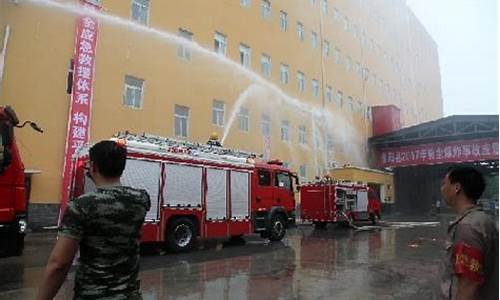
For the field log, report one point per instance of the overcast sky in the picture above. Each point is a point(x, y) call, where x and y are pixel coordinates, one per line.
point(466, 32)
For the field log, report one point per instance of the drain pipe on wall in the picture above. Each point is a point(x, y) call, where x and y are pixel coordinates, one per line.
point(4, 52)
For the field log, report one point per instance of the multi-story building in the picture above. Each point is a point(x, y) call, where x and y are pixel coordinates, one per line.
point(295, 79)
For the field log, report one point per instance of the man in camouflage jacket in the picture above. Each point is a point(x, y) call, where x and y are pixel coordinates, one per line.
point(105, 225)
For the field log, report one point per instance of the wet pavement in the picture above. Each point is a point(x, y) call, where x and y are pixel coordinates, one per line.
point(396, 260)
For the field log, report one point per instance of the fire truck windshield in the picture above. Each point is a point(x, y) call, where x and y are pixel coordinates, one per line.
point(283, 180)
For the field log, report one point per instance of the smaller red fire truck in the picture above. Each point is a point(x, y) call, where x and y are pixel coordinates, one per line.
point(329, 201)
point(13, 196)
point(199, 190)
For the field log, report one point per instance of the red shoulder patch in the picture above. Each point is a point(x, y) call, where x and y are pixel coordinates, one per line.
point(468, 262)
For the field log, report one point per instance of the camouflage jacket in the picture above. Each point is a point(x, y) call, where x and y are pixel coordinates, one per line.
point(471, 252)
point(107, 223)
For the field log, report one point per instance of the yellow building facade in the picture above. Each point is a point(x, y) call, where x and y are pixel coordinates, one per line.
point(293, 78)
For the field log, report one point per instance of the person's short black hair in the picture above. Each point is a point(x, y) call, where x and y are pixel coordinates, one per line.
point(471, 180)
point(109, 157)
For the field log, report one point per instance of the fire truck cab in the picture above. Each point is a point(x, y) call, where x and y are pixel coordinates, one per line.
point(13, 195)
point(329, 201)
point(203, 191)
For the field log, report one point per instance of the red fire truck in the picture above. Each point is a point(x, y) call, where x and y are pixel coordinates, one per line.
point(13, 195)
point(330, 201)
point(200, 190)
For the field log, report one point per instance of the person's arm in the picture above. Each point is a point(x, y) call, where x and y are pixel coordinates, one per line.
point(468, 262)
point(57, 267)
point(467, 289)
point(69, 237)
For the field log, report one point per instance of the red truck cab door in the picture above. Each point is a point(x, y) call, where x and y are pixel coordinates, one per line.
point(283, 190)
point(264, 190)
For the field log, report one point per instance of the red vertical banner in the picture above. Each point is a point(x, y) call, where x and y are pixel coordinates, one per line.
point(81, 96)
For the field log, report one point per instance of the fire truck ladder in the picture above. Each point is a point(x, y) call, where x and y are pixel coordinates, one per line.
point(169, 146)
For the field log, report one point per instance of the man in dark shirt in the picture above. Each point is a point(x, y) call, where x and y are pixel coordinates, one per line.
point(105, 225)
point(471, 264)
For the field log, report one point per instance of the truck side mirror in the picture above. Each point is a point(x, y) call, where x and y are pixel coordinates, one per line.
point(297, 183)
point(6, 134)
point(5, 158)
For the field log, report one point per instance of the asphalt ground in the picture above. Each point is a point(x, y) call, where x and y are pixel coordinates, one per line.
point(397, 259)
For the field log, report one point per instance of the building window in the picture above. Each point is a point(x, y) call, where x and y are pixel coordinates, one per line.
point(265, 125)
point(285, 131)
point(338, 56)
point(183, 51)
point(326, 47)
point(244, 119)
point(245, 55)
point(302, 135)
point(284, 73)
point(220, 43)
point(181, 121)
point(346, 23)
point(357, 68)
point(329, 143)
point(350, 104)
point(302, 173)
point(300, 31)
point(245, 3)
point(314, 40)
point(218, 113)
point(140, 11)
point(301, 81)
point(324, 6)
point(336, 14)
point(315, 88)
point(265, 9)
point(265, 63)
point(133, 92)
point(339, 98)
point(283, 21)
point(359, 106)
point(355, 31)
point(328, 94)
point(366, 74)
point(348, 63)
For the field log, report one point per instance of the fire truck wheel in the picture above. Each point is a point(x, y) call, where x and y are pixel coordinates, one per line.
point(277, 230)
point(181, 235)
point(15, 241)
point(319, 225)
point(236, 240)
